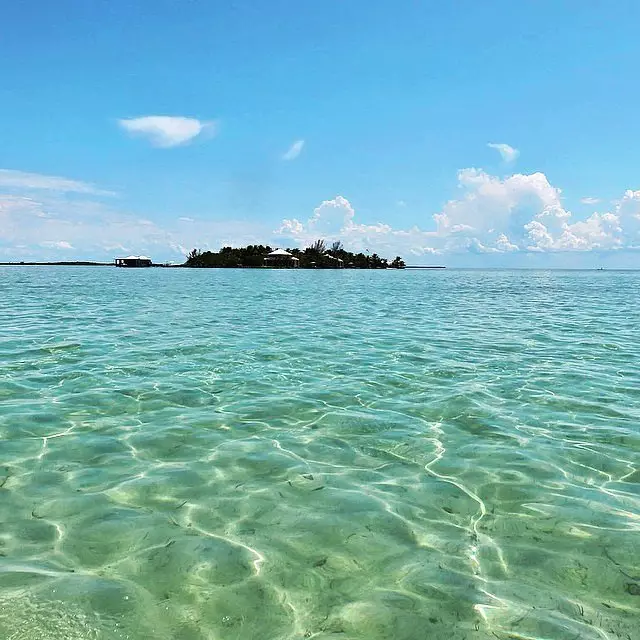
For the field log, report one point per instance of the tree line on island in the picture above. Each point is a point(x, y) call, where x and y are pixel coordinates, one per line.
point(316, 256)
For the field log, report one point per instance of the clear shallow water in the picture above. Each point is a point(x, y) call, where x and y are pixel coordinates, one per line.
point(336, 455)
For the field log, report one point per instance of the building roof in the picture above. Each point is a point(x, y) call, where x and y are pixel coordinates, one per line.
point(280, 252)
point(135, 258)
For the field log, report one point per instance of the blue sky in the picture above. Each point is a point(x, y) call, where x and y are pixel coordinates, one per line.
point(151, 128)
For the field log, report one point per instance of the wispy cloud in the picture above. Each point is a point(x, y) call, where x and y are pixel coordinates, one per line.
point(24, 180)
point(168, 131)
point(60, 244)
point(590, 200)
point(55, 227)
point(294, 150)
point(508, 153)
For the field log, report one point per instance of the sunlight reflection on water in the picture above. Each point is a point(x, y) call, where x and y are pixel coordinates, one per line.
point(270, 454)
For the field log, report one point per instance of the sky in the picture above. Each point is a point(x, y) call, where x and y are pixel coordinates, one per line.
point(455, 133)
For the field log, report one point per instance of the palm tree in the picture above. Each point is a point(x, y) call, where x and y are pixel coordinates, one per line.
point(318, 246)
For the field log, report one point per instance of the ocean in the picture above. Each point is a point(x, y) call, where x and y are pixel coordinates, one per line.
point(337, 455)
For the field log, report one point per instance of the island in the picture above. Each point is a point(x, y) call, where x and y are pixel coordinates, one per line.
point(316, 256)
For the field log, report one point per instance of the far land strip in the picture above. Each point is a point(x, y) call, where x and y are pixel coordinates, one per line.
point(316, 256)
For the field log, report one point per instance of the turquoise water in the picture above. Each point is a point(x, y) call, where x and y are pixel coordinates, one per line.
point(256, 454)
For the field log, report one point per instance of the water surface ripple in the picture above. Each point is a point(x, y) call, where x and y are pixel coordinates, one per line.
point(255, 454)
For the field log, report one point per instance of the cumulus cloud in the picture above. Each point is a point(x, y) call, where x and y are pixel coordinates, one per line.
point(519, 213)
point(508, 153)
point(167, 131)
point(336, 220)
point(294, 150)
point(503, 244)
point(24, 180)
point(526, 212)
point(491, 207)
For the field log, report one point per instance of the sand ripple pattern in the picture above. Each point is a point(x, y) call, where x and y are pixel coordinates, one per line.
point(200, 455)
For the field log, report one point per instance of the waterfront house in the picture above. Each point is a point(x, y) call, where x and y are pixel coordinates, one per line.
point(281, 258)
point(336, 263)
point(133, 261)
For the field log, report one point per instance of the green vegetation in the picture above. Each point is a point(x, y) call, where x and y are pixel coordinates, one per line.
point(251, 256)
point(317, 256)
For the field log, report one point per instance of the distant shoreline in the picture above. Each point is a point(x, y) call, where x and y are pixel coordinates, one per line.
point(74, 263)
point(89, 263)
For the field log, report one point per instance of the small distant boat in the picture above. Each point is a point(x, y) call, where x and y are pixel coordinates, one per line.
point(600, 269)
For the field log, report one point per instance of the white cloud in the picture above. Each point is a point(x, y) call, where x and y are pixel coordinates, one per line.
point(519, 213)
point(508, 153)
point(491, 206)
point(167, 131)
point(60, 244)
point(291, 228)
point(504, 245)
point(24, 180)
point(336, 220)
point(32, 229)
point(186, 219)
point(529, 212)
point(294, 150)
point(627, 211)
point(590, 200)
